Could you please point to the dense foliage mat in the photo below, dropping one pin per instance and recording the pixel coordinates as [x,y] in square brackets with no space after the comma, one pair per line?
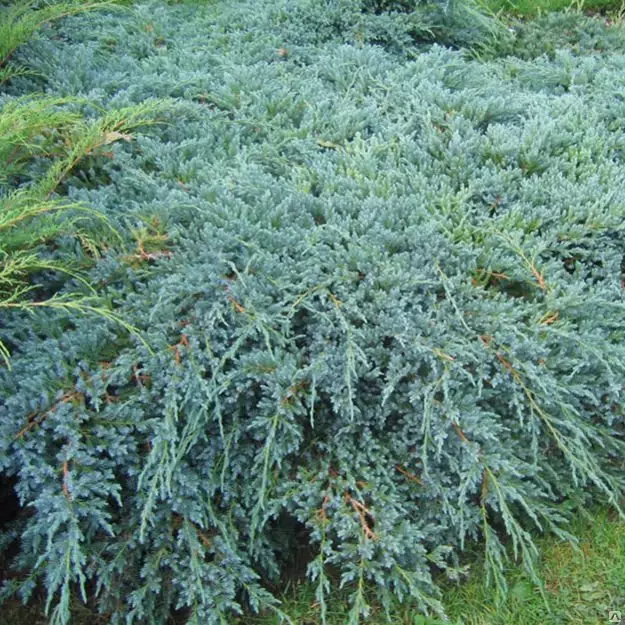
[42,141]
[381,302]
[554,32]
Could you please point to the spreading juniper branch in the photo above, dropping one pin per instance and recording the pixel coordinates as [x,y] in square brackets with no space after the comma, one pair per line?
[31,215]
[21,20]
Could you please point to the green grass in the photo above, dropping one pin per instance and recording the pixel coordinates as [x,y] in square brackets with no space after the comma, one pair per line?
[582,584]
[533,8]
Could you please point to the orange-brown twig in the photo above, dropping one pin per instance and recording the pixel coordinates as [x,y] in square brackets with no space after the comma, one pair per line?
[236,305]
[321,514]
[484,492]
[362,513]
[66,492]
[292,392]
[550,318]
[409,475]
[183,342]
[460,433]
[36,418]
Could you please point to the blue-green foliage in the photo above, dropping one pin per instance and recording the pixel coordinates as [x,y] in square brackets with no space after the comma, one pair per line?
[556,31]
[384,302]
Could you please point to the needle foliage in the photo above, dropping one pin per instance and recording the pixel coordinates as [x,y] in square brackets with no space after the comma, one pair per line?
[43,139]
[383,287]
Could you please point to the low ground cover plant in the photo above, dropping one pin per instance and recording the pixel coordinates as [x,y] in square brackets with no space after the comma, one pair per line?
[380,295]
[43,139]
[583,584]
[532,8]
